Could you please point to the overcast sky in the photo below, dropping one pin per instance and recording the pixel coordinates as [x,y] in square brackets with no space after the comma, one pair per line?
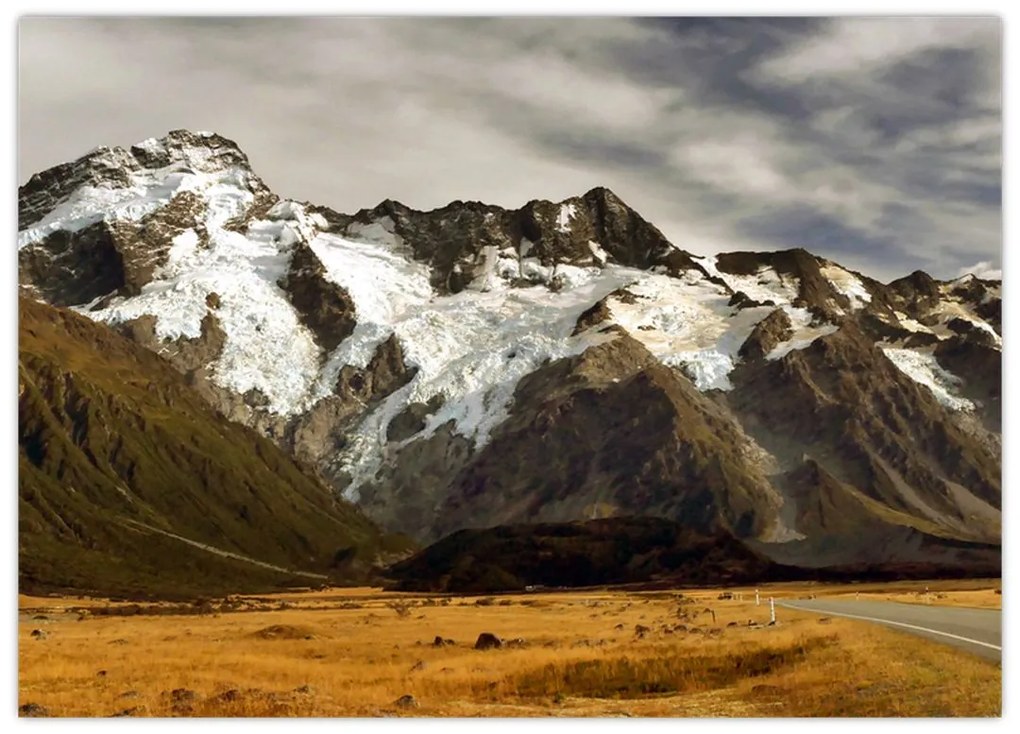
[874,142]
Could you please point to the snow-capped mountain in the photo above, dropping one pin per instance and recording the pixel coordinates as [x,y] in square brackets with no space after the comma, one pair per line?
[473,365]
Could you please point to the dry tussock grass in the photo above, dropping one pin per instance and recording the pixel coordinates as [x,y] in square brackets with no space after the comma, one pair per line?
[591,653]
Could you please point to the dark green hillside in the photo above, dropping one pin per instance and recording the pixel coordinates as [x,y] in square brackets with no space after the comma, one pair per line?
[115,452]
[597,552]
[649,551]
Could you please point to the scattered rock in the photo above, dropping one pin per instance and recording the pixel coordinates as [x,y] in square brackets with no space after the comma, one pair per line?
[40,617]
[619,626]
[31,710]
[101,674]
[129,694]
[731,624]
[39,634]
[443,642]
[825,620]
[119,641]
[420,665]
[407,701]
[182,695]
[487,641]
[516,643]
[306,689]
[133,711]
[230,695]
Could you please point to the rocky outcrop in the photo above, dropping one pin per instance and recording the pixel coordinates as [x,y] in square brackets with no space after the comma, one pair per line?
[74,267]
[412,419]
[385,373]
[767,335]
[326,308]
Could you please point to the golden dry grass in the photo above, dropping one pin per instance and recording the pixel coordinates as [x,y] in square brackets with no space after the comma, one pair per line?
[355,652]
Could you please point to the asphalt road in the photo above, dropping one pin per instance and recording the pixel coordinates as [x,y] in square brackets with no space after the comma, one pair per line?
[975,630]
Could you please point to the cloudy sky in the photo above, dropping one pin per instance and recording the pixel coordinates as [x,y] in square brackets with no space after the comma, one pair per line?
[875,142]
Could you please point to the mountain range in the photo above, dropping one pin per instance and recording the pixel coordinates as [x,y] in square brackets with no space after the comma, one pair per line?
[475,366]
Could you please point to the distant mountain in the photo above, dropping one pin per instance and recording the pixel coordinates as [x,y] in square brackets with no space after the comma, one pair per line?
[474,366]
[130,483]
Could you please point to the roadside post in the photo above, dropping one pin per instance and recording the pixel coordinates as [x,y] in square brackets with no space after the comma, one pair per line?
[772,610]
[757,601]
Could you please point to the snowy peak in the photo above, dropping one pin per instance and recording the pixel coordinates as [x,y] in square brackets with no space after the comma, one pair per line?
[179,151]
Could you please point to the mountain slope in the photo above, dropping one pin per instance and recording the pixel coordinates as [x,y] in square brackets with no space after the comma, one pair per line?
[476,365]
[117,457]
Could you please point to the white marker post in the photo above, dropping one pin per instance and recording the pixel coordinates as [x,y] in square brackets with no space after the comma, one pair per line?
[772,610]
[757,601]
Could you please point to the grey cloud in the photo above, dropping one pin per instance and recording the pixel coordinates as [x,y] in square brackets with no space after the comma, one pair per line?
[751,133]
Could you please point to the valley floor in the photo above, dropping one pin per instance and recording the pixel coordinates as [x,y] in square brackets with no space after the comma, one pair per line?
[357,652]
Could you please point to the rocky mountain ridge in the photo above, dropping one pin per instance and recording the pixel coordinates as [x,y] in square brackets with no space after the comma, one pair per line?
[474,365]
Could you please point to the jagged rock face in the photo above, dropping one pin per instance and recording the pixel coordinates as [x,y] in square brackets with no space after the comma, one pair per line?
[108,257]
[844,405]
[769,333]
[69,268]
[326,308]
[457,240]
[475,365]
[815,291]
[916,291]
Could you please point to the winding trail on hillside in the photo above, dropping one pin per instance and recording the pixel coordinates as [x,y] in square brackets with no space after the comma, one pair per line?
[136,525]
[976,630]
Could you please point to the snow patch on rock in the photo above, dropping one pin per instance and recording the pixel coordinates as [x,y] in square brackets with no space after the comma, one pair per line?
[567,212]
[847,284]
[687,323]
[924,369]
[765,285]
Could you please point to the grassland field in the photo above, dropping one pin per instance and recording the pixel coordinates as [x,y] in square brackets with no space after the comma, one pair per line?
[593,652]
